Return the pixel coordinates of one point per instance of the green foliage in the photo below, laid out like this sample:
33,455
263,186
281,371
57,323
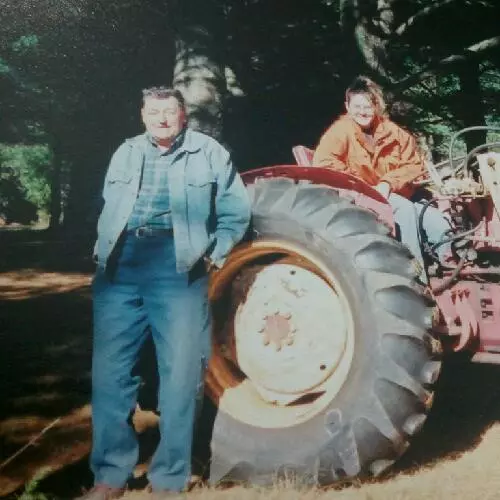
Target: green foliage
4,67
72,76
24,181
30,489
31,166
25,43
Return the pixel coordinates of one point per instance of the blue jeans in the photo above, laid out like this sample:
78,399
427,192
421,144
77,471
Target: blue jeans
145,294
435,226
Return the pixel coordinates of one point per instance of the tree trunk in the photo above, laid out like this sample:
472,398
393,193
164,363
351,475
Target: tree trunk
55,189
470,108
370,25
199,70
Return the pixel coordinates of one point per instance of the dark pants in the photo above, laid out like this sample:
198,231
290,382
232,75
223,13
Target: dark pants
145,294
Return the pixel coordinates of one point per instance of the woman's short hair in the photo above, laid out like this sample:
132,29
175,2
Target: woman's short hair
366,86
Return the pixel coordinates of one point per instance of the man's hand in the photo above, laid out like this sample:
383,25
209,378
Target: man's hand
384,188
209,265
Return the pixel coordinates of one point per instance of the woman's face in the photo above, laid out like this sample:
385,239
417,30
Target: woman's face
361,109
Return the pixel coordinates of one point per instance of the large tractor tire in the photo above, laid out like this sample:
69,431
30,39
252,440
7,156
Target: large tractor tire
323,362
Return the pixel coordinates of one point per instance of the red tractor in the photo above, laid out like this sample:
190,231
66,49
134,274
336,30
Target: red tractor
325,347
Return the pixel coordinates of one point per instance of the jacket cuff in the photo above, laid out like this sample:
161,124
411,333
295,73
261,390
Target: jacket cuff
395,184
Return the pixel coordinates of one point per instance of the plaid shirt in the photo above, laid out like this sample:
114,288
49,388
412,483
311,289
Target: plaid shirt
152,206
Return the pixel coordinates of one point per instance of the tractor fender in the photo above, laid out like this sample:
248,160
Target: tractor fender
348,186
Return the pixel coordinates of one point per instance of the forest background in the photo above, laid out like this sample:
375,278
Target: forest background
259,75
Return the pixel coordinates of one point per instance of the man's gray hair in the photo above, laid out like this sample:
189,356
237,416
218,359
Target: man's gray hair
164,93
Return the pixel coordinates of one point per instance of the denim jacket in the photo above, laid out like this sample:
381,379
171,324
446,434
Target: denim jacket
209,203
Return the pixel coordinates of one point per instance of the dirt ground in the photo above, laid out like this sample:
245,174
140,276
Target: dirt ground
45,325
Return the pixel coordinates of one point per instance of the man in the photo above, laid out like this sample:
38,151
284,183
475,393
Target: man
174,207
366,144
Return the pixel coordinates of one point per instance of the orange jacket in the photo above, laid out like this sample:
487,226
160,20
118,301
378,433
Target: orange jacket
392,156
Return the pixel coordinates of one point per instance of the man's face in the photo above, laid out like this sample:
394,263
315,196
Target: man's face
163,118
361,110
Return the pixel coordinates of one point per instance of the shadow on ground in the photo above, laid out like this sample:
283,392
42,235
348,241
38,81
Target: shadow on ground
72,480
467,403
45,250
45,340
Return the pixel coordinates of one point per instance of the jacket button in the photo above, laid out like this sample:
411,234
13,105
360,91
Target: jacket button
110,241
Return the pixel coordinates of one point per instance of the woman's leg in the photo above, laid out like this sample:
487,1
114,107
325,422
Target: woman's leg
406,218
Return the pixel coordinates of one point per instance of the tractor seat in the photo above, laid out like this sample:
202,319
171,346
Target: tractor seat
303,155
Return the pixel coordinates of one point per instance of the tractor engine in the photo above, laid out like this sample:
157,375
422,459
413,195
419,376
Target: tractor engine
468,290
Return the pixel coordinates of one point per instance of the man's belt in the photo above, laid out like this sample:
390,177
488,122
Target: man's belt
150,232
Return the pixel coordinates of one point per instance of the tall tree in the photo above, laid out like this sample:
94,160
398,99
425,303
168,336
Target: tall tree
199,70
471,110
262,75
370,24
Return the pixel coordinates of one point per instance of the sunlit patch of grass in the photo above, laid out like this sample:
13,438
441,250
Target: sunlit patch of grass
29,283
472,475
31,488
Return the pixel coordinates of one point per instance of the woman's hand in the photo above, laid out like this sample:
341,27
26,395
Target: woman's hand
384,188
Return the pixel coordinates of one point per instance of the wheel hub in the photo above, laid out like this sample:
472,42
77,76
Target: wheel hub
278,330
290,333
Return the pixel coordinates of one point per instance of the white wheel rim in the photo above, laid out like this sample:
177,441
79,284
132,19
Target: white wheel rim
261,400
290,332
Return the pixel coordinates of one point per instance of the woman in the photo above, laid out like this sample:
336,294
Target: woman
365,143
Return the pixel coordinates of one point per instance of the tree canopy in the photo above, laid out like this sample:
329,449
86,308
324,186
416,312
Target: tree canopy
260,75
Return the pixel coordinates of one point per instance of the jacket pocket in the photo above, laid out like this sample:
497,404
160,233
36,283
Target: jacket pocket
201,192
204,179
120,176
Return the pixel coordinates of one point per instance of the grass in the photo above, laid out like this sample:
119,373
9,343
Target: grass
31,488
473,475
